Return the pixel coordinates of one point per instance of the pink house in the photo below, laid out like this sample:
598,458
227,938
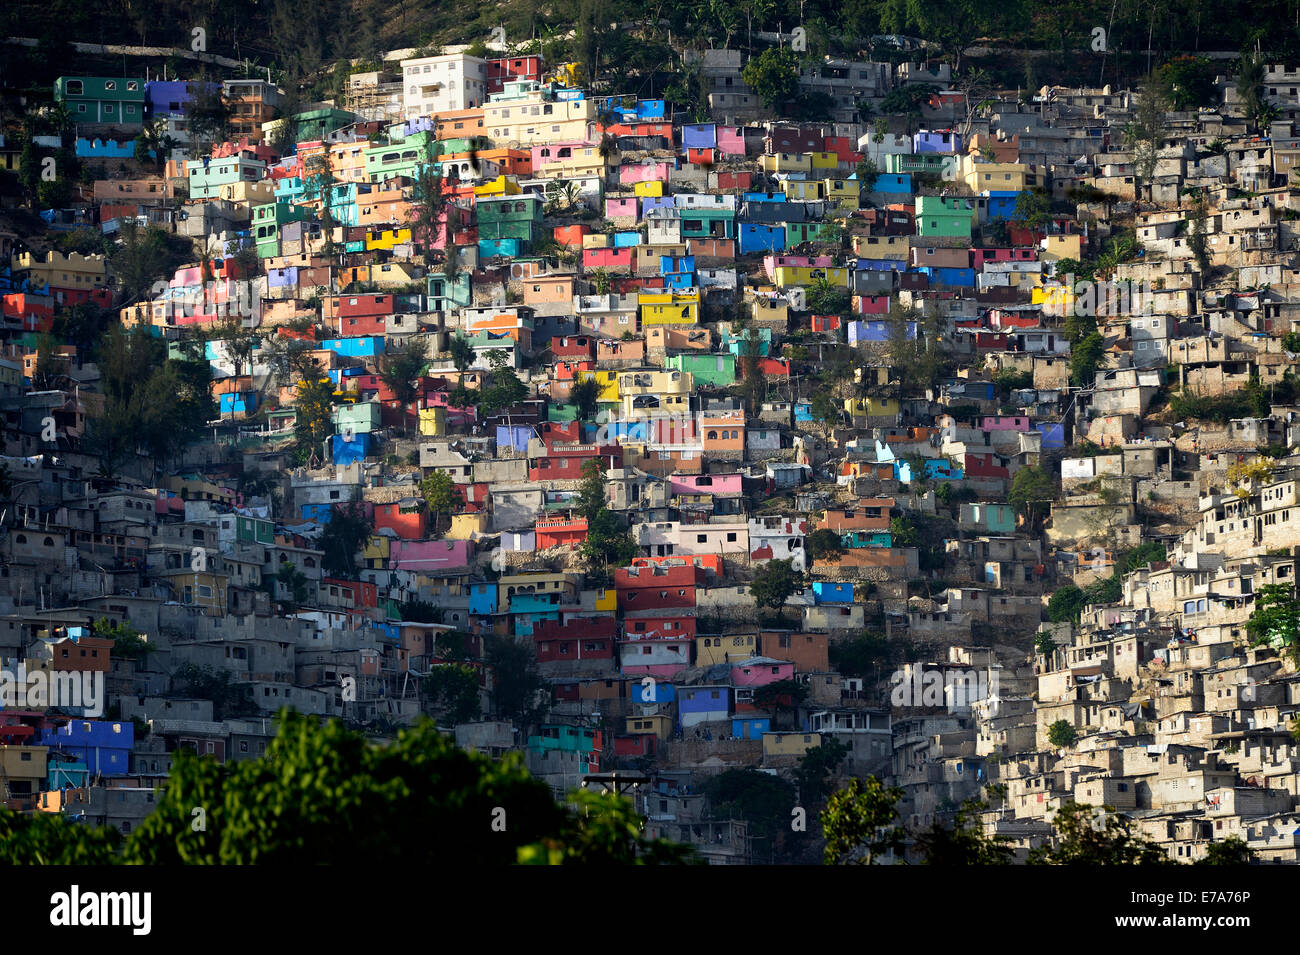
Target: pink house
705,483
617,260
773,262
1005,423
621,208
979,256
629,173
871,304
760,671
429,557
731,141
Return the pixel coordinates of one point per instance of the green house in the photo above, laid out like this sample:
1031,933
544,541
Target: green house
118,100
267,220
797,233
718,371
445,296
917,164
254,530
359,418
509,217
314,124
946,217
708,223
404,158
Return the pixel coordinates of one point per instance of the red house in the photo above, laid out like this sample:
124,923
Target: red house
560,531
652,588
578,638
410,523
505,69
363,594
579,347
565,462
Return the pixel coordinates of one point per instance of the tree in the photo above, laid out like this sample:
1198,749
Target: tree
907,101
462,352
954,25
608,544
965,843
774,583
1276,619
824,545
816,768
1255,106
604,829
128,642
229,699
1146,131
1032,208
208,115
1096,835
517,688
827,298
591,491
452,688
1062,733
1230,851
400,366
440,494
584,395
344,536
862,655
1032,490
1066,604
294,581
780,696
763,801
1044,645
428,212
1085,358
314,407
1187,82
773,75
323,795
44,838
1196,236
237,342
504,391
860,822
139,260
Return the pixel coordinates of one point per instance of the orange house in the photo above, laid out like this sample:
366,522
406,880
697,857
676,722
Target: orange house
723,432
870,514
410,521
561,531
460,123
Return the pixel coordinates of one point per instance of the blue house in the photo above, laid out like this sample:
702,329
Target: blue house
483,599
361,347
104,747
699,136
702,704
1053,433
937,469
1002,204
750,727
346,450
826,592
760,238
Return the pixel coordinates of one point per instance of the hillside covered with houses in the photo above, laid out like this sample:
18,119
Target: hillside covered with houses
808,420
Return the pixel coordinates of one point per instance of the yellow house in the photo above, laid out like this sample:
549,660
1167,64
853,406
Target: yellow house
821,162
648,188
767,308
203,589
670,308
1062,247
872,407
981,176
790,744
787,162
606,382
523,121
657,725
882,246
192,489
804,190
732,647
1055,299
500,186
606,600
788,275
597,240
846,192
71,271
391,274
375,553
387,239
433,422
466,526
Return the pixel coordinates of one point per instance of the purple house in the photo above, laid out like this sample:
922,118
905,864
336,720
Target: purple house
699,136
429,557
170,97
936,141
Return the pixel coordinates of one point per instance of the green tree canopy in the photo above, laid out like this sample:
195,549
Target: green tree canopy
773,75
